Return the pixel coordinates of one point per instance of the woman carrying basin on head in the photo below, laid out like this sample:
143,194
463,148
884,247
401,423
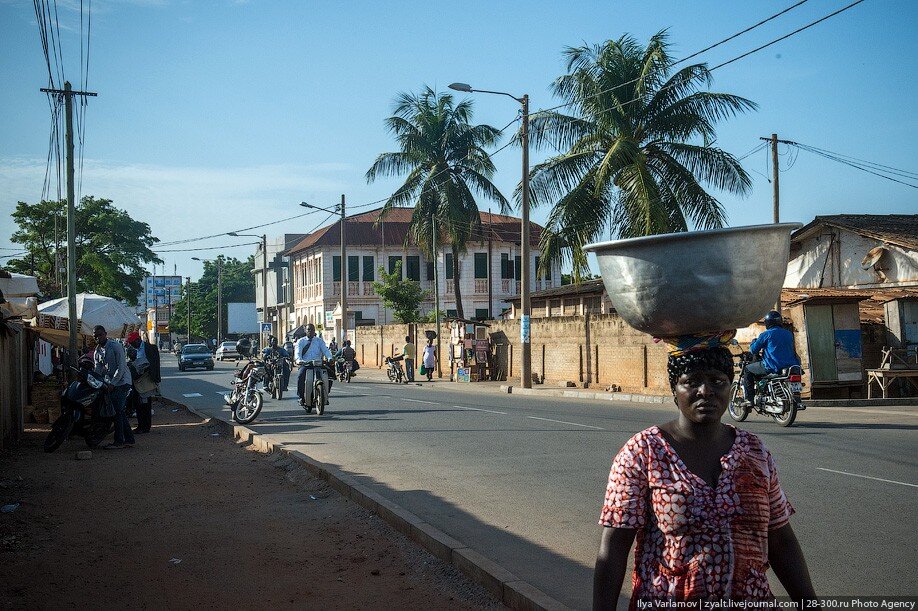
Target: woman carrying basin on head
700,499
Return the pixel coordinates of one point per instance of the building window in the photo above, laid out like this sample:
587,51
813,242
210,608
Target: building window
518,268
369,272
393,261
430,270
449,265
336,268
481,265
451,313
481,313
506,268
413,263
353,268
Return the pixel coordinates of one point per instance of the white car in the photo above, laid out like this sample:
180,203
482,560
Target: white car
227,350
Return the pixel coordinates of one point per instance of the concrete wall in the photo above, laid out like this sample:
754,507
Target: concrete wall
15,373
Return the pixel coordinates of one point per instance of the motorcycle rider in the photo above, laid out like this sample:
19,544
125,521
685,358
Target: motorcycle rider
775,346
310,348
349,355
274,349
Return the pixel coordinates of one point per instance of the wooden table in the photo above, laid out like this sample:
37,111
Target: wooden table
885,377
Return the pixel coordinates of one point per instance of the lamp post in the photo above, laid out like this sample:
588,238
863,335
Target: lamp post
264,278
188,297
219,265
525,336
339,209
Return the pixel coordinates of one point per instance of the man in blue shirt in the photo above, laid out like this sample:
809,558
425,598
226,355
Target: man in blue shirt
310,348
776,348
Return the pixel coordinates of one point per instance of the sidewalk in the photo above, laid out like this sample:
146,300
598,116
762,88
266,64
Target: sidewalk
189,519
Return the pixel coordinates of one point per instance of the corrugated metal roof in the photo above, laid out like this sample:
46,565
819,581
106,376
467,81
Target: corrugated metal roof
898,229
870,301
363,230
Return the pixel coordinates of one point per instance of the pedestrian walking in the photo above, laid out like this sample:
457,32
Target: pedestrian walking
145,375
110,362
429,359
408,352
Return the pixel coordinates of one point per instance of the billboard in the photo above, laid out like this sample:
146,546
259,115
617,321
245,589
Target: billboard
241,318
161,290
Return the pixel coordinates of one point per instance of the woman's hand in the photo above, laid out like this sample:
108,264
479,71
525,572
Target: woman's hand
611,563
786,558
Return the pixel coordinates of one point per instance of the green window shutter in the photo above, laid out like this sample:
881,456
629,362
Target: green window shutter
393,261
518,268
430,270
506,273
413,265
353,268
369,272
481,265
336,268
449,265
481,313
451,313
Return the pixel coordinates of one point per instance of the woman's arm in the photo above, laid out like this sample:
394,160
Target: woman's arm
786,558
611,563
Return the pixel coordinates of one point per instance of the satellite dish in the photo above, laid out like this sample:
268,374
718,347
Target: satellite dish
873,256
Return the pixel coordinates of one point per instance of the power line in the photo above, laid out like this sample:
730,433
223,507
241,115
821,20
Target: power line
852,164
208,247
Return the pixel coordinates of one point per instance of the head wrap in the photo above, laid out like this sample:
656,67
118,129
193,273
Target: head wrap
683,344
688,353
133,336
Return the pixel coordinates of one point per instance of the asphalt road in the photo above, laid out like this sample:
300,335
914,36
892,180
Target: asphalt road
521,479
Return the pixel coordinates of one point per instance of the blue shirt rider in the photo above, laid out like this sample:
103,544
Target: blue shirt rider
776,348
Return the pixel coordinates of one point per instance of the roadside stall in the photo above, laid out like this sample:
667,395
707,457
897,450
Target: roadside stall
469,350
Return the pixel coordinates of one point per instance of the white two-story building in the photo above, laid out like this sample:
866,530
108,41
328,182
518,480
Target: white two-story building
489,270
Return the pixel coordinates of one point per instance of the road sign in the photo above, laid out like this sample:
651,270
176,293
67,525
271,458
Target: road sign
266,328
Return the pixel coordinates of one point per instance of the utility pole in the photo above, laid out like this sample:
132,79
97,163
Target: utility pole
188,297
264,284
525,334
436,258
775,185
219,301
344,276
67,92
490,283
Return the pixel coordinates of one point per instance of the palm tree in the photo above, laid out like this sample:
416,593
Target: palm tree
638,142
444,157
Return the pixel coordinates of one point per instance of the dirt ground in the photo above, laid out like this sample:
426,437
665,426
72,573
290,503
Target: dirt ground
189,519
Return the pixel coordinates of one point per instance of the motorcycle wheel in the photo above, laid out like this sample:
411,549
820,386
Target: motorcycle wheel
347,376
318,398
737,410
249,408
787,418
391,375
98,430
60,431
278,388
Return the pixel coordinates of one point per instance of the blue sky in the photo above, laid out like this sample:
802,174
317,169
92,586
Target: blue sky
217,115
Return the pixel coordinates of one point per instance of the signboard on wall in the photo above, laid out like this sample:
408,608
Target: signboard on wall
161,290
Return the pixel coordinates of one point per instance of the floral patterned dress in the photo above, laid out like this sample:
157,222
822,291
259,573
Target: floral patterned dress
694,541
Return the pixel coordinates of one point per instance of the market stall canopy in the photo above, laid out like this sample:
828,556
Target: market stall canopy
53,322
19,295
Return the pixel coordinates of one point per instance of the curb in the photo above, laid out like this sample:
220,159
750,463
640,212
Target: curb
504,585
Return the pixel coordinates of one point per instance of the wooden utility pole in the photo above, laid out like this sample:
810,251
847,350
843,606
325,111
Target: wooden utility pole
436,259
67,92
344,277
776,187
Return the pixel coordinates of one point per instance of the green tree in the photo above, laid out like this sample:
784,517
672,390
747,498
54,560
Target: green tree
403,297
112,249
444,156
636,148
238,286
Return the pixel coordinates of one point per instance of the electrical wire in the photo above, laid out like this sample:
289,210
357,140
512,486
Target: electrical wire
857,166
889,169
208,247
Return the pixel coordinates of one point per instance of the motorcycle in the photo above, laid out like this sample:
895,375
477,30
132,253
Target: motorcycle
246,399
777,395
394,369
274,374
318,388
345,369
82,402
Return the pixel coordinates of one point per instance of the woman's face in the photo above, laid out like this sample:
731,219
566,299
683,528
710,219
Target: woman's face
702,395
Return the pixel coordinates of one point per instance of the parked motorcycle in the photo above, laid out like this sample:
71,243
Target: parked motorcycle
777,395
394,369
246,399
82,404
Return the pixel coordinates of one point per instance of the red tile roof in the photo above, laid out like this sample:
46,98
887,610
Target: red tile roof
363,230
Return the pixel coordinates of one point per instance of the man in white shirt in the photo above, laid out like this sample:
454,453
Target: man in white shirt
310,348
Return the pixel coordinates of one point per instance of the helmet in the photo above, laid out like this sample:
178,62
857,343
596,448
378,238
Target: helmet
86,362
244,347
773,319
272,341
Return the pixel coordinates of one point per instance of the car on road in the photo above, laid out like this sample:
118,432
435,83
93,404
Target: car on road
195,355
226,350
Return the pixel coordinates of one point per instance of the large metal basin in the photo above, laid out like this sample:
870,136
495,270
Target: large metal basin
698,281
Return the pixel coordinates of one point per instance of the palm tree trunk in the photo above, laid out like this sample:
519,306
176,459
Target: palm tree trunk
456,290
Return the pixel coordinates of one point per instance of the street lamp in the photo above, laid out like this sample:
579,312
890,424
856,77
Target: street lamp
525,337
339,209
264,277
219,297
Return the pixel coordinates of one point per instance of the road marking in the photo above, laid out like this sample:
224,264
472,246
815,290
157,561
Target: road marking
192,394
419,401
879,479
222,392
586,426
478,409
